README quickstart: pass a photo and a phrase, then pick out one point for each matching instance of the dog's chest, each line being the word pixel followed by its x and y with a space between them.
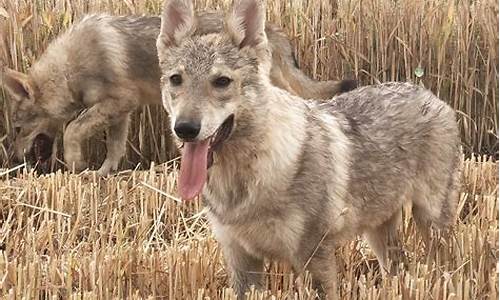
pixel 273 238
pixel 258 215
pixel 262 228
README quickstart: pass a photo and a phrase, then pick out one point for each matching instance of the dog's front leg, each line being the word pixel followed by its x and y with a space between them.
pixel 322 264
pixel 244 269
pixel 72 141
pixel 87 124
pixel 116 140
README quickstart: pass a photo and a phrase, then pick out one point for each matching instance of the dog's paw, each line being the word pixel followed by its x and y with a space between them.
pixel 75 165
pixel 108 167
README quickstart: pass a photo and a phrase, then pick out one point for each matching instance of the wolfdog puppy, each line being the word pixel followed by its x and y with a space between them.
pixel 289 179
pixel 98 72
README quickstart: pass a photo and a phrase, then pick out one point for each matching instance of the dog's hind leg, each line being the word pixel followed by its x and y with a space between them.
pixel 116 140
pixel 384 242
pixel 423 222
pixel 435 196
pixel 435 205
pixel 426 219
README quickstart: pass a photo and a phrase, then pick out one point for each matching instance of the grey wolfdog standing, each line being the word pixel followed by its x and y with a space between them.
pixel 289 179
pixel 103 68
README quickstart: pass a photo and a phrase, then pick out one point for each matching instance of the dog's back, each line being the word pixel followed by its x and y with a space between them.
pixel 404 143
pixel 140 35
pixel 104 54
pixel 101 55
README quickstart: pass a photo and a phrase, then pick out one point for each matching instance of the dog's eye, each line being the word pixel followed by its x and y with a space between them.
pixel 222 82
pixel 176 80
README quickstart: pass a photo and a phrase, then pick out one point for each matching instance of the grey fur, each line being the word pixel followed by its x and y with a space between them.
pixel 296 178
pixel 102 69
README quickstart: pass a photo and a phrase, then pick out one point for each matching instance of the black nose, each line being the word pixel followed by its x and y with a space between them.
pixel 187 130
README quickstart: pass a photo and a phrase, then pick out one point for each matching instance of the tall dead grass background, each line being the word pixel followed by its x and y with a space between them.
pixel 451 47
pixel 68 236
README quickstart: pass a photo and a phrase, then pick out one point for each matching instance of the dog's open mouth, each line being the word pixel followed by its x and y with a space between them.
pixel 40 152
pixel 197 157
pixel 218 139
pixel 41 149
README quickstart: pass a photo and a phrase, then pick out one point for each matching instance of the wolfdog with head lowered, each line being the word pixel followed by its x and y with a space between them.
pixel 289 179
pixel 104 67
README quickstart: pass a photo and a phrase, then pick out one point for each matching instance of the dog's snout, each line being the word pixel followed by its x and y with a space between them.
pixel 187 130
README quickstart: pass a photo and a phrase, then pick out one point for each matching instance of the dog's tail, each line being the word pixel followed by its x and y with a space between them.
pixel 323 89
pixel 286 73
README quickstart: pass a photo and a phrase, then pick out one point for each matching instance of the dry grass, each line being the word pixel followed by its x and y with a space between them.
pixel 66 236
pixel 77 236
pixel 449 46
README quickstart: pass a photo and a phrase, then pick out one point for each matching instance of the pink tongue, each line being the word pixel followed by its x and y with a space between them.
pixel 193 169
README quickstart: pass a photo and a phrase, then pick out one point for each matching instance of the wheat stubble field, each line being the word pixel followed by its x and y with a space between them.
pixel 65 236
pixel 77 236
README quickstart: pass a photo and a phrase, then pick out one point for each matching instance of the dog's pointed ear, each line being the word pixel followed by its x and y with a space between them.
pixel 177 22
pixel 17 84
pixel 246 23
